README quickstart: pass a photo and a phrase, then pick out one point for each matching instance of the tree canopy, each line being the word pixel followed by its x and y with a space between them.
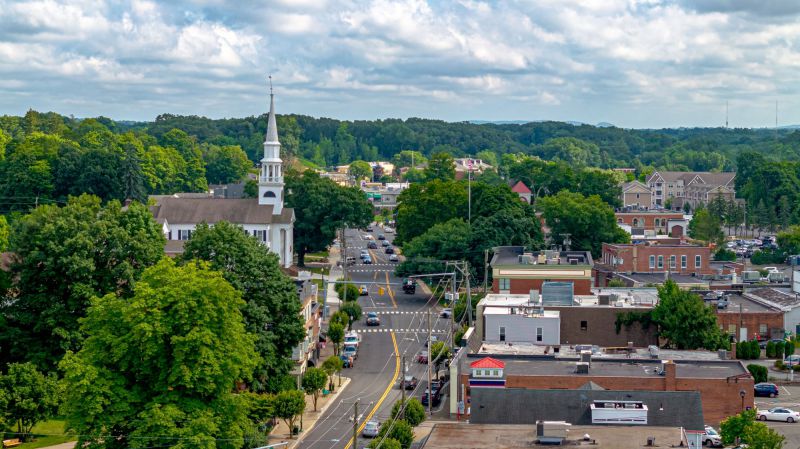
pixel 684 321
pixel 159 367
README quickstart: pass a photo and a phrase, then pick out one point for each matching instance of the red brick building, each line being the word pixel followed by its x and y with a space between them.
pixel 656 258
pixel 752 319
pixel 516 271
pixel 671 223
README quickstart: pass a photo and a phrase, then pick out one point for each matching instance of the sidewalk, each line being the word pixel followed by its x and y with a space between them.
pixel 310 418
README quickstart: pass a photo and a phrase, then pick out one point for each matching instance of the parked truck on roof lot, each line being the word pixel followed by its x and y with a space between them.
pixel 751 277
pixel 776 276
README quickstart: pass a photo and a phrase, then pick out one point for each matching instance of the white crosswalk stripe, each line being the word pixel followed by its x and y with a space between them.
pixel 425 331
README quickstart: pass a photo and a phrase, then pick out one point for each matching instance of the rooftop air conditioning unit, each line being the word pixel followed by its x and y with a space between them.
pixel 582 368
pixel 586 357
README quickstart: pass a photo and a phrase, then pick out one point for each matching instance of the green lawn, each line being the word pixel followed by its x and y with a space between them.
pixel 51 433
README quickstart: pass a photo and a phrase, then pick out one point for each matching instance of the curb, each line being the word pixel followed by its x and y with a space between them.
pixel 425 289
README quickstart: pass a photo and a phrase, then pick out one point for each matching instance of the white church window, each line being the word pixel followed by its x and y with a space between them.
pixel 261 235
pixel 184 234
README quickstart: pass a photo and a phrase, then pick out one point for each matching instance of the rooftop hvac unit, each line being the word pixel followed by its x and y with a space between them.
pixel 603 300
pixel 586 357
pixel 723 354
pixel 582 368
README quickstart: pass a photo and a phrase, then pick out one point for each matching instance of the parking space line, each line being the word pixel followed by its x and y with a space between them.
pixel 784 389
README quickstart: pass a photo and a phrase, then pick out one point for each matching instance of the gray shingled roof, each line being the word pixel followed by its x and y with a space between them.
pixel 213 210
pixel 522 406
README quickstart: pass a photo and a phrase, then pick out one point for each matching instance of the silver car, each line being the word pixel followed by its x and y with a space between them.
pixel 371 429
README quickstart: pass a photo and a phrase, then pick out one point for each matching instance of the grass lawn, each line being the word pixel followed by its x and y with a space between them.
pixel 50 434
pixel 318 255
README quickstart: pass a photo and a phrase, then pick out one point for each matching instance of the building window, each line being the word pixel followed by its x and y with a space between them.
pixel 658 222
pixel 762 329
pixel 505 283
pixel 697 261
pixel 584 325
pixel 184 234
pixel 672 261
pixel 260 235
pixel 502 334
pixel 732 329
pixel 683 261
pixel 496 373
pixel 660 261
pixel 652 261
pixel 538 334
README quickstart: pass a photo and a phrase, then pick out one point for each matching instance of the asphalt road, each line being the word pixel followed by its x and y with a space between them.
pixel 402 332
pixel 789 397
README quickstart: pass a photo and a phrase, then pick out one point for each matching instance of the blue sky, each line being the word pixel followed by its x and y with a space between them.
pixel 634 63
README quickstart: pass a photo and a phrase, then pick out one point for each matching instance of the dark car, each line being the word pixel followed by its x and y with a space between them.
pixel 437 398
pixel 372 245
pixel 410 382
pixel 373 319
pixel 347 361
pixel 766 389
pixel 381 237
pixel 389 250
pixel 409 286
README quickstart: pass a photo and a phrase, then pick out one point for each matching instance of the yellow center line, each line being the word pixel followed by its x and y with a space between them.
pixel 385 392
pixel 389 289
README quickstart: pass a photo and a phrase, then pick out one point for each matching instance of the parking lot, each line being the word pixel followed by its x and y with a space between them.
pixel 790 398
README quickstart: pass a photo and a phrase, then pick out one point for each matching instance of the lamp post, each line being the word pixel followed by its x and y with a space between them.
pixel 742 394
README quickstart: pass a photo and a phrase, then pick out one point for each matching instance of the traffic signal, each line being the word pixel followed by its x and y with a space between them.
pixel 380 290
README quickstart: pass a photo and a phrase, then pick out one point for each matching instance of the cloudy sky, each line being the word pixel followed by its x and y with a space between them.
pixel 634 63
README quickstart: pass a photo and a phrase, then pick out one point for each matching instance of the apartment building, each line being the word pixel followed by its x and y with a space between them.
pixel 689 187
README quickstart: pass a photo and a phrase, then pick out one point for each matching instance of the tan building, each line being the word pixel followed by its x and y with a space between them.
pixel 636 194
pixel 689 187
pixel 516 271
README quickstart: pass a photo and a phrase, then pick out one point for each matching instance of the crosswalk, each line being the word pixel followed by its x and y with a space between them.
pixel 400 312
pixel 382 330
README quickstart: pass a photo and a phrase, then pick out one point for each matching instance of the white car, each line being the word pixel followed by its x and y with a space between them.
pixel 388 230
pixel 711 438
pixel 778 414
pixel 352 338
pixel 368 237
pixel 371 429
pixel 772 269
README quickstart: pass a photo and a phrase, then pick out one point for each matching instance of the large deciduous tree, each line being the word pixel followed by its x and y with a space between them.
pixel 226 164
pixel 272 309
pixel 588 221
pixel 313 382
pixel 441 166
pixel 27 397
pixel 706 226
pixel 321 207
pixel 63 256
pixel 684 321
pixel 423 205
pixel 159 368
pixel 360 170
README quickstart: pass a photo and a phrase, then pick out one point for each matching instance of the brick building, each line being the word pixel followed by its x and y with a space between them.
pixel 658 222
pixel 657 258
pixel 719 382
pixel 516 271
pixel 752 319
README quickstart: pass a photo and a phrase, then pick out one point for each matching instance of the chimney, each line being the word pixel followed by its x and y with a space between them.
pixel 670 381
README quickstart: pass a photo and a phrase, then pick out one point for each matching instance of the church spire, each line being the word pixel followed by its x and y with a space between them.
pixel 272 126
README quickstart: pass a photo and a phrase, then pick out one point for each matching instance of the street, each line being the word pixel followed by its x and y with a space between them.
pixel 402 332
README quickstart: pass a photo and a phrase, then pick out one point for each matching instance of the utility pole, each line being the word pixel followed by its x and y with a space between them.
pixel 344 262
pixel 453 310
pixel 403 389
pixel 430 362
pixel 485 269
pixel 355 425
pixel 469 293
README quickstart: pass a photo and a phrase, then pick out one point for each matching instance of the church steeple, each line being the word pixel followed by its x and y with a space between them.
pixel 270 182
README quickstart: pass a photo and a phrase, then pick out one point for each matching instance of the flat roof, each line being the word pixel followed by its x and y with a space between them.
pixel 747 304
pixel 570 353
pixel 658 278
pixel 510 255
pixel 533 313
pixel 629 297
pixel 512 436
pixel 608 367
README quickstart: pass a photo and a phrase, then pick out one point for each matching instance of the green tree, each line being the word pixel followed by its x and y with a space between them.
pixel 28 397
pixel 759 436
pixel 336 335
pixel 408 158
pixel 131 172
pixel 396 429
pixel 289 405
pixel 684 321
pixel 414 175
pixel 423 205
pixel 347 291
pixel 439 353
pixel 413 413
pixel 789 240
pixel 193 179
pixel 5 233
pixel 250 189
pixel 162 362
pixel 573 151
pixel 64 257
pixel 333 365
pixel 360 170
pixel 313 382
pixel 759 372
pixel 734 426
pixel 588 221
pixel 385 443
pixel 706 226
pixel 441 166
pixel 321 207
pixel 353 310
pixel 272 309
pixel 226 164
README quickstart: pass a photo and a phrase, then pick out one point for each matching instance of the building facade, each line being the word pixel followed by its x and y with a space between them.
pixel 657 258
pixel 678 188
pixel 264 218
pixel 636 194
pixel 306 353
pixel 518 272
pixel 671 223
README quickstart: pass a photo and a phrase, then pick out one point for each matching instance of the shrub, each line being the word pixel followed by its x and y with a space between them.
pixel 414 412
pixel 755 350
pixel 352 291
pixel 724 254
pixel 780 365
pixel 770 351
pixel 779 348
pixel 759 372
pixel 767 256
pixel 788 348
pixel 795 367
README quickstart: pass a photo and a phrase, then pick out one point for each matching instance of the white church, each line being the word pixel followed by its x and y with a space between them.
pixel 264 218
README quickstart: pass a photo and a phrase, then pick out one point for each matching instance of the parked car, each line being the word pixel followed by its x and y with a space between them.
pixel 446 313
pixel 389 250
pixel 711 438
pixel 436 398
pixel 363 290
pixel 778 414
pixel 364 253
pixel 763 343
pixel 766 389
pixel 347 361
pixel 410 382
pixel 792 360
pixel 352 338
pixel 394 258
pixel 373 319
pixel 422 357
pixel 371 429
pixel 372 245
pixel 381 237
pixel 350 351
pixel 433 340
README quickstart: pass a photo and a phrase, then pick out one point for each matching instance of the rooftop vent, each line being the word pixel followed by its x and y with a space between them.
pixel 582 367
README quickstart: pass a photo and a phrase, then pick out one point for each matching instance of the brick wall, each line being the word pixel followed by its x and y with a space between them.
pixel 720 397
pixel 647 221
pixel 636 258
pixel 600 327
pixel 582 286
pixel 752 321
